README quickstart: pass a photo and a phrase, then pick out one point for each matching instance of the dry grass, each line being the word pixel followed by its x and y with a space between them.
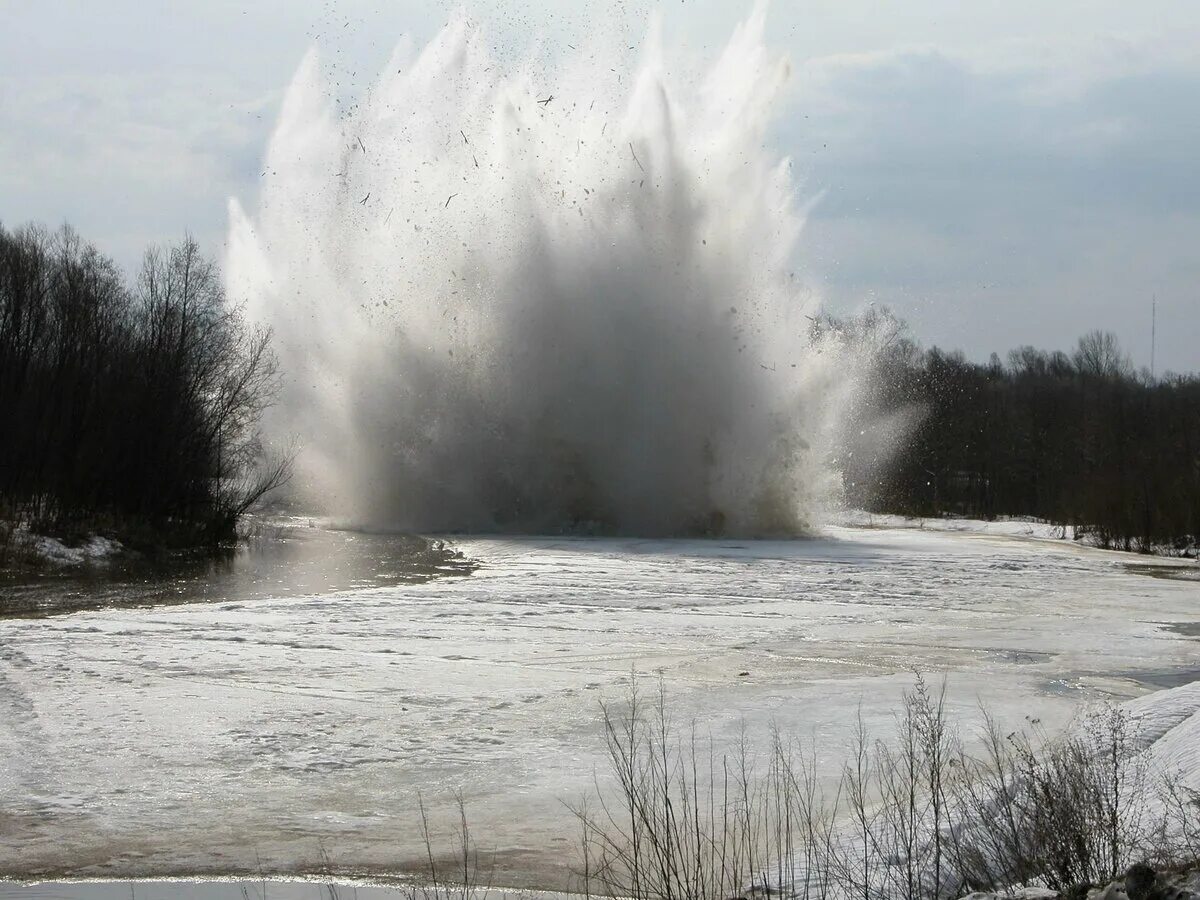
pixel 917 818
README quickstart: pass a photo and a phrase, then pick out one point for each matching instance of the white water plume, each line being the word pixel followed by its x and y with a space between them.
pixel 543 297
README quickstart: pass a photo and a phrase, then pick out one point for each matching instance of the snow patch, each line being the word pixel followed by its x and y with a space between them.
pixel 1027 527
pixel 53 551
pixel 1167 729
pixel 1003 527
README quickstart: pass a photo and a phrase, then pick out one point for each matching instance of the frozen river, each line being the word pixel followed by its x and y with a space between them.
pixel 294 711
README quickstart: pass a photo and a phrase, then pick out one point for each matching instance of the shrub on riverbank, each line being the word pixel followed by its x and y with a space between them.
pixel 915 818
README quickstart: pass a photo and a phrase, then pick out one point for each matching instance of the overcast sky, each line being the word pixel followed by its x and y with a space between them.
pixel 1001 173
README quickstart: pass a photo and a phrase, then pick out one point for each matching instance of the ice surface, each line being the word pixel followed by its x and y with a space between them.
pixel 224 736
pixel 207 890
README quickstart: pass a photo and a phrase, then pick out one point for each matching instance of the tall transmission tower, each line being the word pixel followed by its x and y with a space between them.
pixel 1153 332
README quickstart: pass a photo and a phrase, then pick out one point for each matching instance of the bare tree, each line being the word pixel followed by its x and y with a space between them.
pixel 1099 354
pixel 129 405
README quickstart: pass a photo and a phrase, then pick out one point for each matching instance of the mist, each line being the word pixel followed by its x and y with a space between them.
pixel 552 295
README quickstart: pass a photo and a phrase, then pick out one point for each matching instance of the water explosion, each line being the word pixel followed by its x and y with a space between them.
pixel 543 299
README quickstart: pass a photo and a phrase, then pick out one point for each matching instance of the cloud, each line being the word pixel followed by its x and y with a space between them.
pixel 993 205
pixel 126 161
pixel 1001 172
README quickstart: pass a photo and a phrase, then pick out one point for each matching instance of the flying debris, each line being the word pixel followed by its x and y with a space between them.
pixel 478 426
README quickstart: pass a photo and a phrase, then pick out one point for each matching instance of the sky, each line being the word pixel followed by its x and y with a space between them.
pixel 999 173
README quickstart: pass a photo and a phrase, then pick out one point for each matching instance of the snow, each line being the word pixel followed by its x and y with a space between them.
pixel 1003 526
pixel 213 737
pixel 1020 893
pixel 54 551
pixel 1167 729
pixel 191 890
pixel 1000 527
pixel 232 889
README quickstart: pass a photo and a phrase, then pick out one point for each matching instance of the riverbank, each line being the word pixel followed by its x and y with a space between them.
pixel 100 541
pixel 1003 526
pixel 282 558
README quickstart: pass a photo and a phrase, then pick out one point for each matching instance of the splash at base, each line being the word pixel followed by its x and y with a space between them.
pixel 543 298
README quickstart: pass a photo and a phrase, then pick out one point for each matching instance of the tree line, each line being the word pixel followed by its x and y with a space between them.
pixel 128 406
pixel 1082 440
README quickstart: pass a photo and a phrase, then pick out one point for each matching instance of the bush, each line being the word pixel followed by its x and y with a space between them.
pixel 920 818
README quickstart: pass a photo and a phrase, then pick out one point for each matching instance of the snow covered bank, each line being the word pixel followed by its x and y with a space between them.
pixel 95 549
pixel 1167 732
pixel 25 547
pixel 1116 795
pixel 1003 526
pixel 1006 527
pixel 1141 884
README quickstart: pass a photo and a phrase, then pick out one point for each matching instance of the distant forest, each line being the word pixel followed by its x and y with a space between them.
pixel 1082 440
pixel 127 408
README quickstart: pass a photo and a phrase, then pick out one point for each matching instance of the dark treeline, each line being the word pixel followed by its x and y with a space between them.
pixel 1080 439
pixel 127 406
